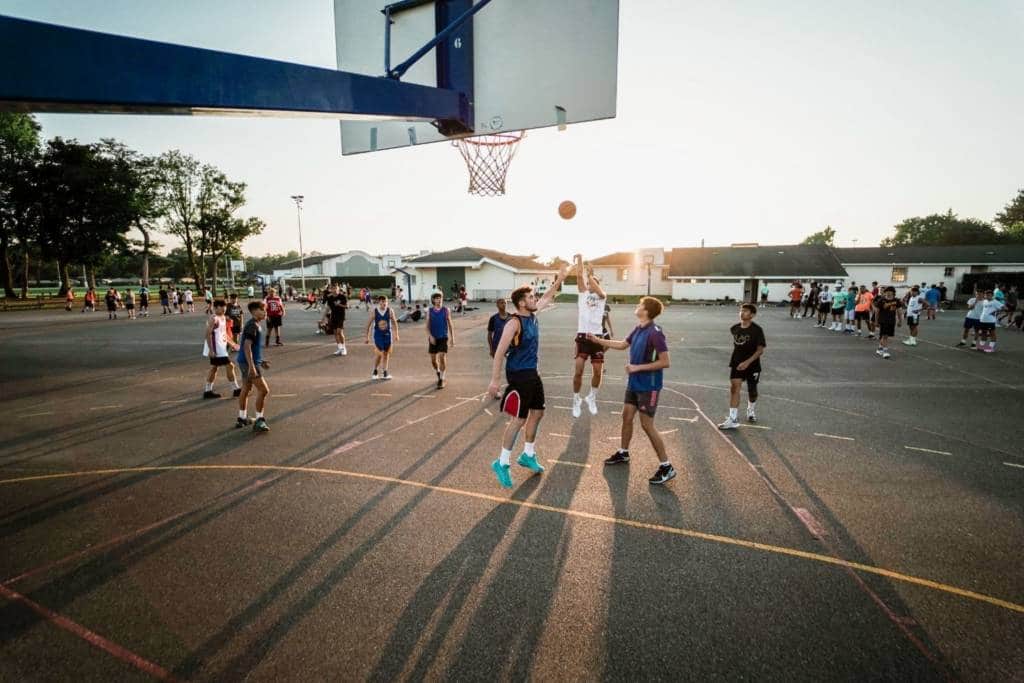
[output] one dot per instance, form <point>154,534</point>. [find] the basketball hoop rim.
<point>512,138</point>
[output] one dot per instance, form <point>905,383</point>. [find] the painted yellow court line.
<point>675,531</point>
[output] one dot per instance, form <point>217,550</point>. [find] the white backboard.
<point>530,59</point>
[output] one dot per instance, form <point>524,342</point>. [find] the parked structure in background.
<point>625,272</point>
<point>347,264</point>
<point>486,274</point>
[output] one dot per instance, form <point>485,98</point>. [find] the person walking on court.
<point>765,290</point>
<point>495,324</point>
<point>748,345</point>
<point>887,309</point>
<point>252,365</point>
<point>129,303</point>
<point>216,347</point>
<point>440,335</point>
<point>337,307</point>
<point>862,312</point>
<point>384,329</point>
<point>275,316</point>
<point>824,304</point>
<point>111,300</point>
<point>189,301</point>
<point>915,304</point>
<point>89,303</point>
<point>811,301</point>
<point>523,399</point>
<point>144,301</point>
<point>972,319</point>
<point>69,299</point>
<point>648,358</point>
<point>796,293</point>
<point>590,302</point>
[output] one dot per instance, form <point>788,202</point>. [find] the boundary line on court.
<point>676,531</point>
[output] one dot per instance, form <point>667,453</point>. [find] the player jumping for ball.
<point>591,303</point>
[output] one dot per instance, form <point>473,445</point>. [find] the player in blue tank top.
<point>440,335</point>
<point>524,395</point>
<point>382,327</point>
<point>648,358</point>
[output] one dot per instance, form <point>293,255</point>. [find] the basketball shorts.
<point>250,375</point>
<point>851,315</point>
<point>273,321</point>
<point>645,401</point>
<point>824,308</point>
<point>986,327</point>
<point>218,361</point>
<point>336,323</point>
<point>970,323</point>
<point>588,349</point>
<point>862,315</point>
<point>913,319</point>
<point>440,345</point>
<point>886,328</point>
<point>750,376</point>
<point>382,342</point>
<point>525,392</point>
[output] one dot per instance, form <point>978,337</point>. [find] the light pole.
<point>297,198</point>
<point>648,261</point>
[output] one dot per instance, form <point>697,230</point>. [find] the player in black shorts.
<point>748,346</point>
<point>337,305</point>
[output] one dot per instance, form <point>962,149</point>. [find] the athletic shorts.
<point>273,321</point>
<point>745,375</point>
<point>862,315</point>
<point>970,323</point>
<point>220,360</point>
<point>838,311</point>
<point>764,298</point>
<point>851,314</point>
<point>525,392</point>
<point>913,319</point>
<point>985,327</point>
<point>336,322</point>
<point>440,345</point>
<point>129,307</point>
<point>824,308</point>
<point>886,329</point>
<point>382,342</point>
<point>588,349</point>
<point>645,401</point>
<point>248,374</point>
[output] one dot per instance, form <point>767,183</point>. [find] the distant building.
<point>486,273</point>
<point>348,264</point>
<point>626,272</point>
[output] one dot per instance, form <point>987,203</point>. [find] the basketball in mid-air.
<point>567,209</point>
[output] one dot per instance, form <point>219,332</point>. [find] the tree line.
<point>948,229</point>
<point>75,205</point>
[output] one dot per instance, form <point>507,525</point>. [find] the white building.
<point>627,273</point>
<point>738,272</point>
<point>486,274</point>
<point>907,266</point>
<point>353,263</point>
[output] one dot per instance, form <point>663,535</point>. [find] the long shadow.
<point>256,651</point>
<point>504,633</point>
<point>201,450</point>
<point>846,546</point>
<point>85,578</point>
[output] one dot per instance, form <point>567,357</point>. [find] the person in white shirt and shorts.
<point>591,304</point>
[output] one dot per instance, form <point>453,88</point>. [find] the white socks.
<point>732,413</point>
<point>750,407</point>
<point>259,414</point>
<point>530,448</point>
<point>242,414</point>
<point>208,386</point>
<point>506,456</point>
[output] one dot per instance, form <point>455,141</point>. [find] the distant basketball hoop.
<point>487,159</point>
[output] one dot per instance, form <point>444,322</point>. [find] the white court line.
<point>562,407</point>
<point>118,405</point>
<point>284,395</point>
<point>49,412</point>
<point>566,462</point>
<point>380,394</point>
<point>927,450</point>
<point>180,400</point>
<point>668,432</point>
<point>834,436</point>
<point>1014,464</point>
<point>419,395</point>
<point>467,398</point>
<point>684,419</point>
<point>488,412</point>
<point>334,394</point>
<point>615,412</point>
<point>749,426</point>
<point>564,436</point>
<point>612,438</point>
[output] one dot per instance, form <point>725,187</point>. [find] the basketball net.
<point>487,159</point>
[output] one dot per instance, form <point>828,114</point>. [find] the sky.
<point>737,122</point>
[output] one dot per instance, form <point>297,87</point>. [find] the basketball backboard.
<point>536,63</point>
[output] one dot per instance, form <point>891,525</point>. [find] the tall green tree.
<point>825,236</point>
<point>942,229</point>
<point>1011,219</point>
<point>19,152</point>
<point>85,202</point>
<point>145,193</point>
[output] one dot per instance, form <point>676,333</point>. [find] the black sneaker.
<point>617,458</point>
<point>243,422</point>
<point>261,426</point>
<point>211,394</point>
<point>440,383</point>
<point>236,393</point>
<point>664,473</point>
<point>751,417</point>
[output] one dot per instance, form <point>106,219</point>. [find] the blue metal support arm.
<point>400,70</point>
<point>58,69</point>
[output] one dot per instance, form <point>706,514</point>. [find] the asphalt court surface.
<point>869,526</point>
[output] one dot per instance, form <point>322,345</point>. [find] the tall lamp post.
<point>648,262</point>
<point>297,198</point>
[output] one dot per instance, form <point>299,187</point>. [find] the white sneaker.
<point>577,404</point>
<point>591,403</point>
<point>344,351</point>
<point>878,352</point>
<point>337,353</point>
<point>374,376</point>
<point>729,424</point>
<point>908,342</point>
<point>885,354</point>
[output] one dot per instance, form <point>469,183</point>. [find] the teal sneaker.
<point>530,463</point>
<point>503,474</point>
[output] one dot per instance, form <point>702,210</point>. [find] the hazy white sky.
<point>737,122</point>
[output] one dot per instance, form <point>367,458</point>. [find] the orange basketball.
<point>567,209</point>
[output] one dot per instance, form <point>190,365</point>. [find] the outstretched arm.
<point>549,296</point>
<point>594,285</point>
<point>617,344</point>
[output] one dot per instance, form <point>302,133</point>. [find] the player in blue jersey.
<point>440,335</point>
<point>524,395</point>
<point>382,328</point>
<point>648,358</point>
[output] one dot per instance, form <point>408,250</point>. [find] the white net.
<point>487,159</point>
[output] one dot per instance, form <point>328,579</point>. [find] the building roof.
<point>309,261</point>
<point>472,256</point>
<point>944,255</point>
<point>619,258</point>
<point>776,261</point>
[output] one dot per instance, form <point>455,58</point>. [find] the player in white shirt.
<point>215,346</point>
<point>990,308</point>
<point>824,305</point>
<point>915,304</point>
<point>971,320</point>
<point>590,304</point>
